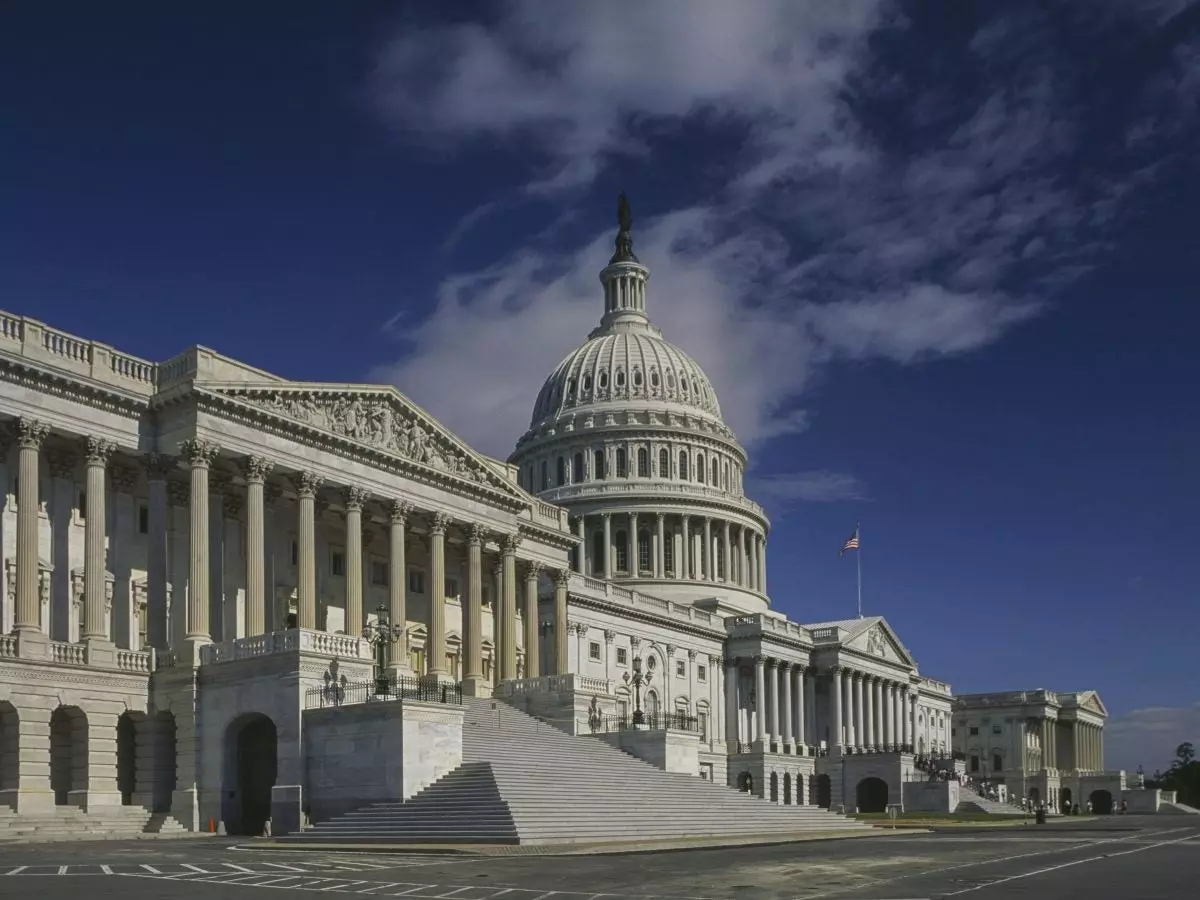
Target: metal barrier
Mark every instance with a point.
(426, 690)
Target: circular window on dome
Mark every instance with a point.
(620, 379)
(603, 381)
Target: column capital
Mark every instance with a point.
(605, 516)
(353, 497)
(660, 516)
(511, 543)
(398, 512)
(562, 578)
(158, 466)
(61, 463)
(31, 433)
(771, 662)
(256, 469)
(199, 454)
(476, 534)
(97, 450)
(533, 570)
(307, 483)
(609, 635)
(837, 670)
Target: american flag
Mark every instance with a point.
(851, 543)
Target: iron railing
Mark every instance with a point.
(346, 693)
(653, 722)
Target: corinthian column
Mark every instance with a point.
(508, 609)
(354, 498)
(710, 571)
(307, 484)
(835, 707)
(31, 434)
(199, 456)
(533, 658)
(562, 579)
(256, 469)
(473, 681)
(660, 548)
(398, 582)
(727, 548)
(436, 657)
(95, 608)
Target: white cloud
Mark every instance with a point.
(874, 208)
(790, 489)
(1148, 737)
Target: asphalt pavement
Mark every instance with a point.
(1148, 858)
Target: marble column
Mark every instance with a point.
(860, 733)
(802, 706)
(754, 569)
(685, 530)
(199, 456)
(354, 498)
(660, 552)
(710, 571)
(762, 564)
(632, 546)
(157, 468)
(848, 706)
(398, 581)
(435, 651)
(608, 546)
(97, 452)
(562, 662)
(870, 738)
(533, 661)
(473, 680)
(727, 550)
(732, 733)
(776, 704)
(581, 552)
(760, 701)
(306, 484)
(835, 709)
(508, 610)
(785, 677)
(31, 434)
(894, 712)
(256, 469)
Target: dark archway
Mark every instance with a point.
(746, 783)
(10, 747)
(1034, 796)
(871, 795)
(798, 793)
(163, 728)
(251, 749)
(127, 740)
(1064, 800)
(787, 789)
(774, 787)
(68, 753)
(1102, 802)
(824, 792)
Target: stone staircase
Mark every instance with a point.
(1178, 809)
(972, 801)
(70, 823)
(523, 781)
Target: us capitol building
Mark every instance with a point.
(202, 560)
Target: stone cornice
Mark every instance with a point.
(649, 618)
(545, 440)
(47, 379)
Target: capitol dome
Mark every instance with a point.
(627, 434)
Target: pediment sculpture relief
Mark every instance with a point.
(877, 643)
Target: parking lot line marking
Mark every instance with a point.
(196, 868)
(285, 866)
(62, 870)
(236, 866)
(413, 890)
(17, 871)
(151, 869)
(379, 887)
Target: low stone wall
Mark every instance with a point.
(371, 752)
(671, 751)
(931, 796)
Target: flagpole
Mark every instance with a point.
(858, 564)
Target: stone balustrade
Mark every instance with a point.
(305, 640)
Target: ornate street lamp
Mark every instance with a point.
(639, 680)
(381, 634)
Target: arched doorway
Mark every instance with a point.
(799, 792)
(651, 705)
(787, 789)
(746, 783)
(1034, 796)
(163, 729)
(1102, 802)
(10, 747)
(774, 787)
(68, 753)
(1064, 798)
(251, 747)
(126, 757)
(824, 792)
(871, 795)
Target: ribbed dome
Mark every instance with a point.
(623, 365)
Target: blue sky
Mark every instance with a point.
(936, 260)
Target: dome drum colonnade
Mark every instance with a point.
(199, 458)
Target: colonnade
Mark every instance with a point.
(1089, 747)
(198, 458)
(870, 713)
(672, 546)
(784, 702)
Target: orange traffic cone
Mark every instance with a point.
(212, 825)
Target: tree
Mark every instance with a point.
(1185, 753)
(1183, 777)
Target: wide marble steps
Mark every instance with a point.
(973, 801)
(65, 823)
(525, 782)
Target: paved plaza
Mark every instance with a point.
(1147, 858)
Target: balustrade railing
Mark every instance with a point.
(426, 690)
(653, 722)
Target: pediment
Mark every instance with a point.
(380, 418)
(880, 641)
(1091, 702)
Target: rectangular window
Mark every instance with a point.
(416, 581)
(997, 762)
(622, 656)
(702, 722)
(143, 520)
(594, 650)
(996, 729)
(669, 553)
(452, 588)
(416, 658)
(82, 505)
(379, 572)
(622, 555)
(702, 673)
(295, 554)
(337, 564)
(974, 763)
(680, 669)
(644, 554)
(974, 730)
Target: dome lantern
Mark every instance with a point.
(624, 278)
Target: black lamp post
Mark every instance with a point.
(382, 634)
(639, 680)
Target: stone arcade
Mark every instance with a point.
(192, 548)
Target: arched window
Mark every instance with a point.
(598, 553)
(603, 382)
(725, 477)
(598, 465)
(571, 387)
(562, 471)
(654, 378)
(643, 462)
(721, 560)
(622, 551)
(622, 466)
(664, 464)
(620, 378)
(644, 552)
(669, 554)
(545, 475)
(587, 383)
(577, 469)
(700, 468)
(683, 465)
(714, 473)
(637, 377)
